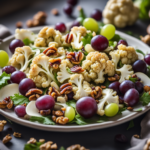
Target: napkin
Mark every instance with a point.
(138, 144)
(2, 146)
(4, 32)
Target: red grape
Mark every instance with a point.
(139, 66)
(121, 42)
(61, 27)
(25, 85)
(14, 44)
(8, 69)
(72, 2)
(45, 102)
(86, 107)
(17, 76)
(139, 86)
(115, 86)
(125, 86)
(131, 97)
(76, 23)
(68, 9)
(121, 138)
(96, 14)
(20, 110)
(99, 42)
(70, 96)
(147, 59)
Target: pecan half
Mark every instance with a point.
(50, 51)
(146, 88)
(6, 103)
(69, 38)
(7, 138)
(66, 88)
(96, 92)
(62, 120)
(75, 57)
(77, 69)
(34, 93)
(45, 112)
(53, 92)
(114, 78)
(55, 62)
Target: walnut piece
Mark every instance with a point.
(76, 69)
(31, 141)
(55, 11)
(75, 57)
(62, 120)
(52, 91)
(34, 93)
(55, 63)
(7, 138)
(146, 39)
(45, 112)
(96, 92)
(19, 24)
(114, 78)
(42, 140)
(58, 113)
(17, 135)
(66, 88)
(2, 124)
(46, 146)
(147, 88)
(6, 103)
(147, 145)
(76, 147)
(69, 38)
(50, 51)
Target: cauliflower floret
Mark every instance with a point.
(78, 33)
(81, 88)
(128, 54)
(22, 57)
(109, 96)
(125, 72)
(120, 13)
(96, 66)
(61, 53)
(41, 70)
(63, 74)
(47, 35)
(22, 34)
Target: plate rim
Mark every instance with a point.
(74, 128)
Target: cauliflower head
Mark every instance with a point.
(47, 35)
(41, 72)
(78, 33)
(125, 72)
(22, 34)
(80, 88)
(108, 96)
(22, 57)
(63, 74)
(121, 13)
(96, 66)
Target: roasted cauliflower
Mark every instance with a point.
(80, 88)
(22, 57)
(41, 72)
(47, 35)
(121, 13)
(96, 66)
(108, 96)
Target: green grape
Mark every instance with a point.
(111, 109)
(70, 113)
(108, 31)
(90, 24)
(4, 58)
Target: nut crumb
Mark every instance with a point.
(137, 136)
(7, 138)
(17, 135)
(31, 141)
(55, 12)
(19, 24)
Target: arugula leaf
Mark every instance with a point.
(69, 71)
(145, 98)
(103, 119)
(19, 99)
(44, 120)
(3, 79)
(87, 39)
(62, 148)
(121, 110)
(139, 51)
(71, 103)
(131, 125)
(35, 146)
(27, 41)
(133, 79)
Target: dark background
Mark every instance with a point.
(94, 140)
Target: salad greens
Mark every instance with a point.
(27, 41)
(131, 125)
(4, 77)
(35, 146)
(145, 98)
(87, 39)
(133, 79)
(139, 51)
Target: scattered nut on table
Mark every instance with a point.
(31, 141)
(7, 138)
(17, 134)
(55, 11)
(2, 124)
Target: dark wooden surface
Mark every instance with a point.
(94, 140)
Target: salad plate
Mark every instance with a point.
(112, 121)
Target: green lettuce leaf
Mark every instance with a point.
(3, 79)
(87, 39)
(103, 119)
(71, 103)
(19, 99)
(121, 110)
(27, 41)
(139, 51)
(145, 98)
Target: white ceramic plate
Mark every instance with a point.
(119, 119)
